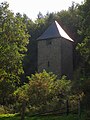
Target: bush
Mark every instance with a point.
(5, 110)
(2, 110)
(44, 92)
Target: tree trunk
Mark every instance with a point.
(23, 107)
(67, 107)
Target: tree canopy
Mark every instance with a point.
(13, 42)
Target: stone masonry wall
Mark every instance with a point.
(49, 55)
(67, 58)
(55, 55)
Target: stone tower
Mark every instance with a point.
(55, 51)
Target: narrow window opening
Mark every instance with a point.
(48, 64)
(48, 42)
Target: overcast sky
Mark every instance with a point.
(32, 7)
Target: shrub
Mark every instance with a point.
(44, 92)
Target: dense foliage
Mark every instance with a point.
(44, 93)
(13, 42)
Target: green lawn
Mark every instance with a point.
(15, 117)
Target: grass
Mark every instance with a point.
(17, 117)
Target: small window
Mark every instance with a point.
(48, 64)
(48, 42)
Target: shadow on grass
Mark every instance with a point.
(17, 117)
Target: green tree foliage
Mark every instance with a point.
(13, 42)
(44, 92)
(69, 20)
(21, 100)
(84, 48)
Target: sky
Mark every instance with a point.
(32, 7)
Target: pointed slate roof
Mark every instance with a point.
(54, 31)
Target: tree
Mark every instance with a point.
(13, 42)
(84, 31)
(46, 92)
(40, 16)
(22, 99)
(43, 93)
(84, 49)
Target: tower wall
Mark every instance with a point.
(55, 55)
(49, 55)
(67, 58)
